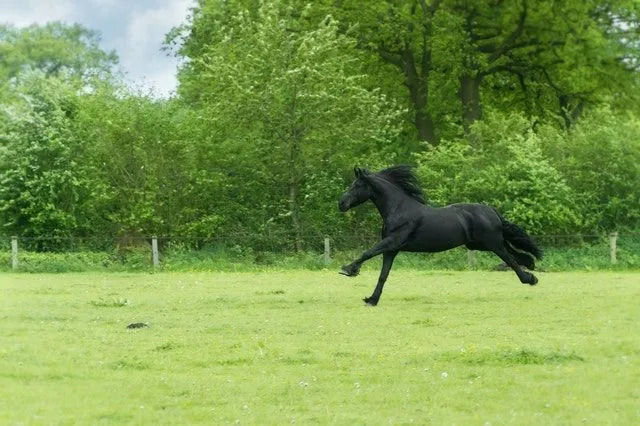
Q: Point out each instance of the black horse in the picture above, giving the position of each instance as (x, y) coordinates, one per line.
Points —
(411, 225)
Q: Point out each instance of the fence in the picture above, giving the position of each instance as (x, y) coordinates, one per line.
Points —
(153, 245)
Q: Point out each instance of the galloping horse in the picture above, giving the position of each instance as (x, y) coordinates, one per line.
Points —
(411, 225)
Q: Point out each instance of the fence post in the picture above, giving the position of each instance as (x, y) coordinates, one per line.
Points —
(613, 240)
(14, 252)
(154, 251)
(327, 251)
(472, 260)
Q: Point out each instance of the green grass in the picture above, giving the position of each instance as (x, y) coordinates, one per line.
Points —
(300, 346)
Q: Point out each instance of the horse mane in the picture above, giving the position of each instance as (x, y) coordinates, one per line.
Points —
(403, 177)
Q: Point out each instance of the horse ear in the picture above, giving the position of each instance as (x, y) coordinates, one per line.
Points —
(357, 171)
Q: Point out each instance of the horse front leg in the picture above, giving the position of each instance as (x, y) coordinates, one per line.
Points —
(387, 262)
(391, 243)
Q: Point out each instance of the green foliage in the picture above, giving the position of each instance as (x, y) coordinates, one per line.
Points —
(56, 49)
(600, 158)
(278, 101)
(506, 168)
(78, 261)
(44, 179)
(550, 181)
(139, 158)
(268, 94)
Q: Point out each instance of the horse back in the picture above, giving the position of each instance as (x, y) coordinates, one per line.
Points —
(478, 218)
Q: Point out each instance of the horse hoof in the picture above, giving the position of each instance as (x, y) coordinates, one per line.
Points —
(370, 301)
(349, 272)
(534, 280)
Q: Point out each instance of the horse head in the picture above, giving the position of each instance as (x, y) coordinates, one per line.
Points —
(359, 191)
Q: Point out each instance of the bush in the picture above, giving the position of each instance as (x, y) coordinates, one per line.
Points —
(504, 167)
(77, 261)
(600, 159)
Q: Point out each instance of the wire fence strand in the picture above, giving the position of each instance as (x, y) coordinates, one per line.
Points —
(273, 241)
(171, 252)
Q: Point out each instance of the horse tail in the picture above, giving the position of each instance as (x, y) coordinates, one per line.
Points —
(518, 238)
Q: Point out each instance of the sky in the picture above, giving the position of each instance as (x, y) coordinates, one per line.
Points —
(135, 29)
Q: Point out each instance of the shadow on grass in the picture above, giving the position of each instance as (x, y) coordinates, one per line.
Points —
(512, 357)
(110, 303)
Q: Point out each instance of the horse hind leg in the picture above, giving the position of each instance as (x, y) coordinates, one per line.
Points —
(524, 276)
(523, 259)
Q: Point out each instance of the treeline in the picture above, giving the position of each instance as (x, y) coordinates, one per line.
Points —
(529, 105)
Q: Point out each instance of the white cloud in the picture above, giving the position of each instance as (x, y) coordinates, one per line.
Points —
(134, 29)
(103, 4)
(140, 45)
(27, 12)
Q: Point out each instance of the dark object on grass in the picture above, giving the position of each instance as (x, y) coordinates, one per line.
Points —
(411, 225)
(137, 325)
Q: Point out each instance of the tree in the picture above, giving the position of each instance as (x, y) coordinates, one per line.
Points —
(546, 58)
(402, 76)
(542, 56)
(507, 168)
(139, 161)
(600, 158)
(290, 99)
(44, 182)
(399, 34)
(56, 49)
(48, 186)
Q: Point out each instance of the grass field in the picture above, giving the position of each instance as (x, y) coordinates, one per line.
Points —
(301, 347)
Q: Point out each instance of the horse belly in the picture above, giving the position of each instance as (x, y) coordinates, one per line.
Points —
(435, 239)
(430, 246)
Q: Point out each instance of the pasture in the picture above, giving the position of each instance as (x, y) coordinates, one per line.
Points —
(282, 347)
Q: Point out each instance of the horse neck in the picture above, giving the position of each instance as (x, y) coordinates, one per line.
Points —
(387, 197)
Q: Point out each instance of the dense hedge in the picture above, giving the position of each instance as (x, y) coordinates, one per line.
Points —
(550, 181)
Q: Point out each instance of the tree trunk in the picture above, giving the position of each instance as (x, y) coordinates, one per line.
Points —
(294, 186)
(470, 100)
(424, 125)
(419, 93)
(569, 114)
(295, 158)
